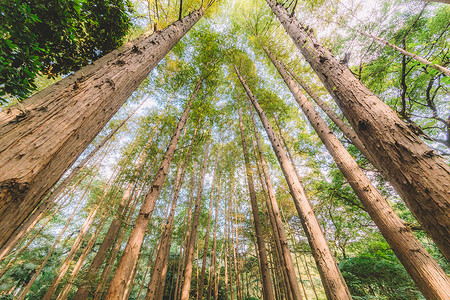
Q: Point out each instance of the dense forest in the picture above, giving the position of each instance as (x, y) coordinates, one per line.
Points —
(224, 149)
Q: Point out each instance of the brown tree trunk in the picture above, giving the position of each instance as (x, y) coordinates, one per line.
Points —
(208, 226)
(212, 269)
(75, 247)
(158, 278)
(188, 223)
(426, 273)
(420, 176)
(129, 257)
(191, 245)
(114, 228)
(266, 280)
(226, 238)
(76, 269)
(235, 246)
(274, 215)
(332, 279)
(41, 139)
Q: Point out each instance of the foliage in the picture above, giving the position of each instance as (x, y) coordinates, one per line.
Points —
(377, 274)
(55, 38)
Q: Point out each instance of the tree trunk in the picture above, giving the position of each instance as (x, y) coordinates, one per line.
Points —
(157, 278)
(332, 279)
(236, 259)
(266, 280)
(76, 269)
(274, 215)
(426, 273)
(130, 255)
(208, 226)
(114, 228)
(75, 247)
(212, 269)
(420, 176)
(191, 245)
(39, 142)
(188, 223)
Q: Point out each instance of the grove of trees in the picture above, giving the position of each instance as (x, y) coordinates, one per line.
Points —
(223, 149)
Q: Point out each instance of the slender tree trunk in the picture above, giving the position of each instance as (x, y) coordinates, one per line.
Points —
(131, 252)
(27, 288)
(104, 278)
(40, 142)
(157, 278)
(114, 228)
(208, 226)
(212, 269)
(274, 215)
(75, 247)
(266, 280)
(236, 249)
(226, 238)
(76, 269)
(188, 223)
(302, 257)
(332, 279)
(217, 275)
(426, 273)
(420, 176)
(190, 249)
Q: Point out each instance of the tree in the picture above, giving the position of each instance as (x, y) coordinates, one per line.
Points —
(333, 282)
(266, 280)
(429, 277)
(36, 149)
(128, 260)
(425, 176)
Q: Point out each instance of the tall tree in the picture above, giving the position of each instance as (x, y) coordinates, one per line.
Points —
(262, 253)
(193, 236)
(429, 277)
(201, 283)
(420, 176)
(42, 137)
(274, 213)
(129, 258)
(332, 279)
(158, 276)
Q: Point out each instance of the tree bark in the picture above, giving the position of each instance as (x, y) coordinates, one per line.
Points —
(191, 245)
(262, 253)
(130, 255)
(332, 279)
(426, 273)
(420, 176)
(42, 137)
